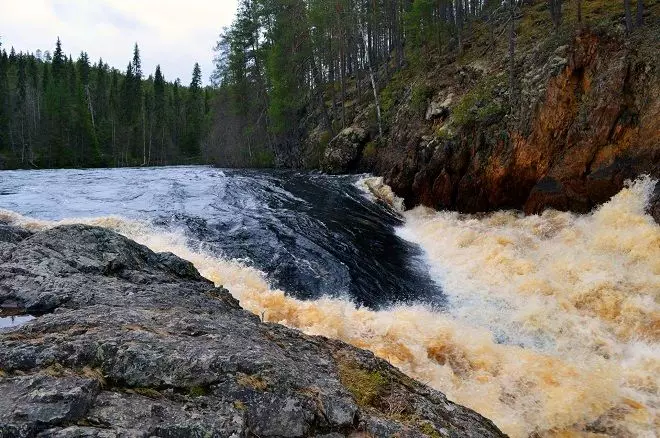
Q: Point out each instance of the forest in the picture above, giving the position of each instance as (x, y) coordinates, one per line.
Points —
(57, 112)
(287, 73)
(286, 67)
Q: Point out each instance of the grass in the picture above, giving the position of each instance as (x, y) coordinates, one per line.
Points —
(56, 370)
(95, 374)
(255, 382)
(428, 430)
(197, 391)
(367, 387)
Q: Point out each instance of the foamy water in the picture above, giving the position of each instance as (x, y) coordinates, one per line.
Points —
(552, 324)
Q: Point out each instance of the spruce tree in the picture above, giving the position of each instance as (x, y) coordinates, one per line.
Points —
(194, 113)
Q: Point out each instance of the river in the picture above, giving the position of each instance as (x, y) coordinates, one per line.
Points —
(546, 324)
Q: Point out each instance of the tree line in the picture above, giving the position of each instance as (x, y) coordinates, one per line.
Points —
(284, 62)
(59, 112)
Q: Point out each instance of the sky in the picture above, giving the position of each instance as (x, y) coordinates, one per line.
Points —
(172, 33)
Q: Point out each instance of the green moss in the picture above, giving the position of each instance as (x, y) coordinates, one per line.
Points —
(240, 405)
(264, 159)
(429, 430)
(393, 93)
(370, 150)
(444, 132)
(479, 105)
(146, 392)
(197, 391)
(536, 24)
(367, 387)
(419, 98)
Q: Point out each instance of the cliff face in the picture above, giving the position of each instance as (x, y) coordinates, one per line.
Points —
(585, 119)
(581, 116)
(135, 344)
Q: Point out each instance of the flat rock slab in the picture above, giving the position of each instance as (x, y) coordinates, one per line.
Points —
(131, 343)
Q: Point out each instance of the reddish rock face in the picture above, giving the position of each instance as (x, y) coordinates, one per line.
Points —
(596, 124)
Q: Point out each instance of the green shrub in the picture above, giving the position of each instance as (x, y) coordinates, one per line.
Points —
(370, 150)
(419, 99)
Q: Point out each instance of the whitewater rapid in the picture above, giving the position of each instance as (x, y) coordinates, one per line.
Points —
(552, 322)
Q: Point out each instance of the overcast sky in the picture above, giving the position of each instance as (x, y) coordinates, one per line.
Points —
(172, 33)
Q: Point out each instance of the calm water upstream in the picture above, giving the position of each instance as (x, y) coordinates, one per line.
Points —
(312, 234)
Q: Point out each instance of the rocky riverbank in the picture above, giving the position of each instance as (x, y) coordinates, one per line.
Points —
(579, 119)
(131, 343)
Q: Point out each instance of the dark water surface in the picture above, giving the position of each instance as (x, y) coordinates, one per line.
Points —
(312, 234)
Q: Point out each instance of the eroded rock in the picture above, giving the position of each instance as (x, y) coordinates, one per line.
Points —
(343, 151)
(440, 109)
(138, 344)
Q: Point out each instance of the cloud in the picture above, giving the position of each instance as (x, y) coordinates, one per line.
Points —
(82, 14)
(174, 34)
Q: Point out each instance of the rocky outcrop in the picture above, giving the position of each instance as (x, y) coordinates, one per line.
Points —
(343, 151)
(439, 109)
(585, 120)
(131, 343)
(654, 204)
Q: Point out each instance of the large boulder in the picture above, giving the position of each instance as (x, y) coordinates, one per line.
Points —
(440, 108)
(131, 343)
(343, 151)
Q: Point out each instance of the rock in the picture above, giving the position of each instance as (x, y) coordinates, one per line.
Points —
(29, 403)
(138, 344)
(547, 193)
(10, 234)
(654, 204)
(585, 121)
(439, 109)
(343, 151)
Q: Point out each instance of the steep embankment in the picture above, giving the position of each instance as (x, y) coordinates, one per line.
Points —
(137, 343)
(583, 116)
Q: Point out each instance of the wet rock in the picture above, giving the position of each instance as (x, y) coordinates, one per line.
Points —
(138, 344)
(654, 204)
(547, 193)
(343, 151)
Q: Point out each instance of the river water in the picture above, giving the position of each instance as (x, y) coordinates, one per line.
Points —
(547, 325)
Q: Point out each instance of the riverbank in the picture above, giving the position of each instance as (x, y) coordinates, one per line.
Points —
(581, 119)
(136, 342)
